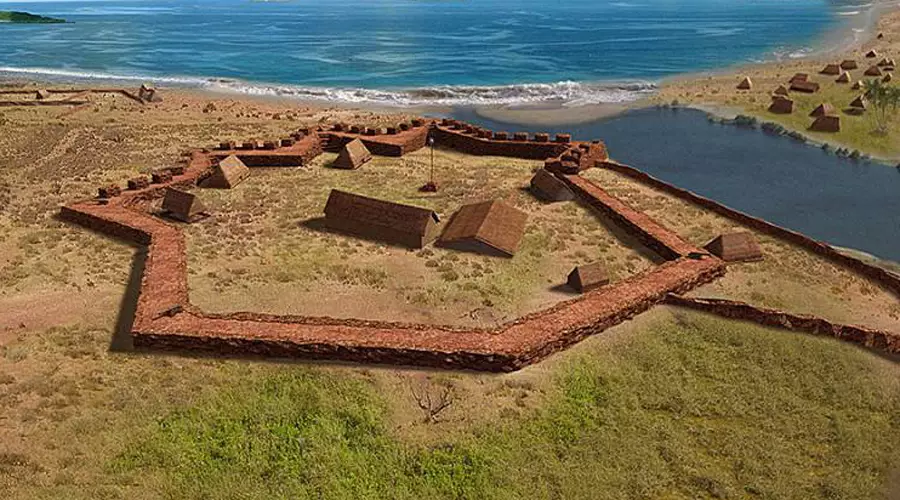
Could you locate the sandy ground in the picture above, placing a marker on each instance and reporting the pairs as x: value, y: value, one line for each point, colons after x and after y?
x: 717, y: 92
x: 551, y: 115
x: 279, y: 262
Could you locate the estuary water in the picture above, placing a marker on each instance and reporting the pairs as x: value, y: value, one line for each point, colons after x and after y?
x: 836, y: 200
x: 413, y: 52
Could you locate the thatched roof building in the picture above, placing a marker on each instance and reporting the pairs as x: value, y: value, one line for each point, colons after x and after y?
x: 826, y: 123
x: 491, y: 227
x: 873, y: 71
x: 745, y: 84
x: 381, y: 220
x: 849, y: 64
x: 781, y: 105
x: 182, y: 205
x: 831, y: 69
x: 353, y: 155
x: 588, y: 277
x: 844, y: 78
x: 733, y: 247
x: 805, y: 86
x: 823, y: 109
x: 227, y: 174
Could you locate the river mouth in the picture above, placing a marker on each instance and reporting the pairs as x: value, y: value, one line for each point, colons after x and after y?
x: 842, y: 202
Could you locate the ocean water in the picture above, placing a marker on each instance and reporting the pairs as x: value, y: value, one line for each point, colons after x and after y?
x: 839, y: 201
x: 414, y: 51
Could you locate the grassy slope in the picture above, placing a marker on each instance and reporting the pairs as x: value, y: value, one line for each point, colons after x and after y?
x: 856, y: 131
x: 697, y: 407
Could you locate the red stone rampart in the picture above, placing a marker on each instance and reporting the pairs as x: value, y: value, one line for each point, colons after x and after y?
x: 510, y: 347
x: 396, y: 145
x: 299, y: 153
x: 165, y: 319
x: 667, y: 244
x: 471, y: 143
x: 876, y: 274
x: 868, y: 337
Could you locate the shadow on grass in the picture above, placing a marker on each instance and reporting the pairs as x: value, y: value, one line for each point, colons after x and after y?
x: 624, y: 237
x: 121, y: 340
x: 564, y: 288
x: 320, y: 225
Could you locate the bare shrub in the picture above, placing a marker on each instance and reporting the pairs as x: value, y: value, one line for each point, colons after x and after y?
x: 432, y: 398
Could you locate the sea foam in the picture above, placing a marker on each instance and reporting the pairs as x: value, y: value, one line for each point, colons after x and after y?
x: 564, y: 92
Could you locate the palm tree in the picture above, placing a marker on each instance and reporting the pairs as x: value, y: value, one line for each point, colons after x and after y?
x: 885, y: 100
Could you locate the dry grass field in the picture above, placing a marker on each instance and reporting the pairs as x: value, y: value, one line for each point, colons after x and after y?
x: 673, y: 404
x: 265, y: 250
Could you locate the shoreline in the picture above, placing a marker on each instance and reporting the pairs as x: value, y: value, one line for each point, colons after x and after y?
x: 846, y: 35
x: 685, y: 89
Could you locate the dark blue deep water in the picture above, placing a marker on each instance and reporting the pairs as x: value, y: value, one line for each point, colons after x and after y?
x: 795, y: 185
x: 415, y: 51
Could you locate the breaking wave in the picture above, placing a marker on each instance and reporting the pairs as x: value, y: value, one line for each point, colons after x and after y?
x: 564, y: 92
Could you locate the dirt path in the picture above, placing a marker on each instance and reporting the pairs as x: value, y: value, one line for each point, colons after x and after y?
x: 44, y: 309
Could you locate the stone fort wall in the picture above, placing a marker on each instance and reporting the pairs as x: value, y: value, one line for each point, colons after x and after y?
x: 165, y: 319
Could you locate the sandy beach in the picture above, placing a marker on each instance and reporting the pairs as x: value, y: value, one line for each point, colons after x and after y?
x: 715, y: 92
x: 712, y: 91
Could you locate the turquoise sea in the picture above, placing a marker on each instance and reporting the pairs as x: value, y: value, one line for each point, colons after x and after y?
x: 416, y: 51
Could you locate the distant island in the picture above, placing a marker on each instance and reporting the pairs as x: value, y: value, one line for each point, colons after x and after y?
x: 8, y: 16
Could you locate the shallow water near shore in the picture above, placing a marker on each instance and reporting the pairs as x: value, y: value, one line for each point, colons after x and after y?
x: 415, y: 52
x: 795, y: 185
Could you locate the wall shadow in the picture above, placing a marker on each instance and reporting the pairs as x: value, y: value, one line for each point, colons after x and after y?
x: 320, y: 225
x: 624, y: 237
x: 121, y: 340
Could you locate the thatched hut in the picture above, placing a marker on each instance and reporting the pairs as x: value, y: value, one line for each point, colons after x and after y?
x: 227, y: 174
x: 491, y: 227
x: 735, y: 247
x: 822, y: 110
x: 588, y: 277
x: 183, y: 205
x: 826, y: 123
x: 873, y: 71
x: 352, y: 156
x: 781, y: 105
x: 805, y: 86
x: 831, y: 69
x: 393, y: 223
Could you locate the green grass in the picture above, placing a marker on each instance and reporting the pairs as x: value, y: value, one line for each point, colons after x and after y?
x: 856, y: 131
x: 693, y: 408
